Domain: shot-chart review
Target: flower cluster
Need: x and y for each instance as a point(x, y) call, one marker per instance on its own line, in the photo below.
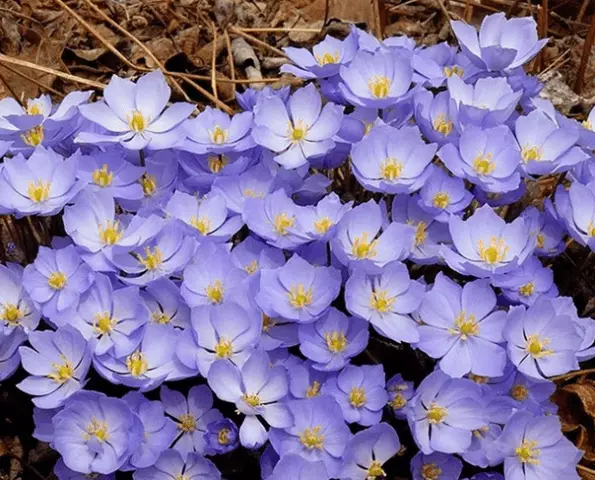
point(213, 248)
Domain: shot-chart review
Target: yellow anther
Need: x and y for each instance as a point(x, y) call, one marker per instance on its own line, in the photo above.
point(97, 429)
point(149, 184)
point(588, 125)
point(420, 233)
point(34, 108)
point(111, 233)
point(362, 248)
point(219, 135)
point(202, 224)
point(299, 297)
point(215, 291)
point(11, 314)
point(496, 251)
point(217, 163)
point(249, 193)
point(431, 471)
point(62, 371)
point(57, 280)
point(442, 125)
point(375, 470)
point(527, 290)
point(436, 413)
point(282, 223)
point(187, 423)
point(391, 169)
point(335, 341)
point(223, 348)
point(297, 132)
point(379, 86)
point(104, 323)
point(39, 191)
point(454, 70)
point(102, 176)
point(152, 259)
point(160, 317)
point(137, 364)
point(465, 326)
point(357, 397)
point(531, 154)
point(441, 200)
point(519, 392)
point(323, 225)
point(328, 58)
point(313, 390)
point(33, 137)
point(136, 121)
point(398, 402)
point(536, 347)
point(311, 438)
point(528, 452)
point(479, 379)
point(540, 240)
point(252, 399)
point(223, 436)
point(381, 301)
point(251, 268)
point(483, 164)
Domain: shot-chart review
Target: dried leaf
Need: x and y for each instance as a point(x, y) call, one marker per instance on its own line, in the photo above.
point(585, 391)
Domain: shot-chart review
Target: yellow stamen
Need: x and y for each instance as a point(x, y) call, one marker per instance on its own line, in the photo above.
point(97, 429)
point(442, 125)
point(223, 436)
point(420, 233)
point(267, 323)
point(215, 291)
point(187, 423)
point(483, 165)
point(519, 393)
point(160, 317)
point(223, 349)
point(381, 302)
point(588, 125)
point(252, 399)
point(465, 326)
point(219, 135)
point(398, 402)
point(431, 471)
point(282, 223)
point(111, 233)
point(323, 225)
point(375, 470)
point(297, 132)
point(527, 290)
point(33, 137)
point(454, 70)
point(540, 240)
point(379, 86)
point(137, 364)
point(11, 314)
point(34, 108)
point(328, 58)
point(527, 452)
point(436, 413)
point(102, 176)
point(536, 347)
point(217, 163)
point(531, 154)
point(299, 297)
point(441, 200)
point(311, 438)
point(136, 121)
point(63, 371)
point(335, 341)
point(249, 193)
point(496, 252)
point(152, 259)
point(104, 323)
point(480, 380)
point(368, 126)
point(357, 397)
point(391, 169)
point(251, 268)
point(362, 248)
point(149, 184)
point(202, 224)
point(39, 191)
point(57, 280)
point(313, 390)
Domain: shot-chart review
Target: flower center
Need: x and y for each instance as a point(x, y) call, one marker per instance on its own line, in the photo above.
point(588, 125)
point(160, 317)
point(328, 58)
point(282, 223)
point(250, 193)
point(335, 341)
point(33, 137)
point(251, 268)
point(215, 292)
point(454, 70)
point(187, 423)
point(431, 471)
point(311, 438)
point(219, 135)
point(362, 248)
point(379, 86)
point(527, 290)
point(152, 259)
point(483, 165)
point(441, 200)
point(391, 169)
point(495, 253)
point(136, 122)
point(217, 163)
point(57, 280)
point(436, 413)
point(223, 436)
point(102, 176)
point(381, 302)
point(323, 225)
point(39, 191)
point(110, 234)
point(34, 109)
point(519, 393)
point(97, 429)
point(223, 348)
point(442, 125)
point(479, 379)
point(375, 470)
point(104, 323)
point(398, 402)
point(202, 224)
point(357, 397)
point(149, 184)
point(313, 390)
point(527, 452)
point(420, 233)
point(465, 326)
point(299, 297)
point(137, 363)
point(267, 323)
point(252, 399)
point(298, 131)
point(540, 240)
point(536, 347)
point(531, 154)
point(62, 371)
point(11, 314)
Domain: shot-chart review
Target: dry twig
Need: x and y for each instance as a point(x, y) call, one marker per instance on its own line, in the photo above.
point(587, 46)
point(256, 41)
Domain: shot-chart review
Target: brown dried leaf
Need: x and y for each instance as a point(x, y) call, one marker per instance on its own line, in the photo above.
point(585, 391)
point(89, 55)
point(585, 441)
